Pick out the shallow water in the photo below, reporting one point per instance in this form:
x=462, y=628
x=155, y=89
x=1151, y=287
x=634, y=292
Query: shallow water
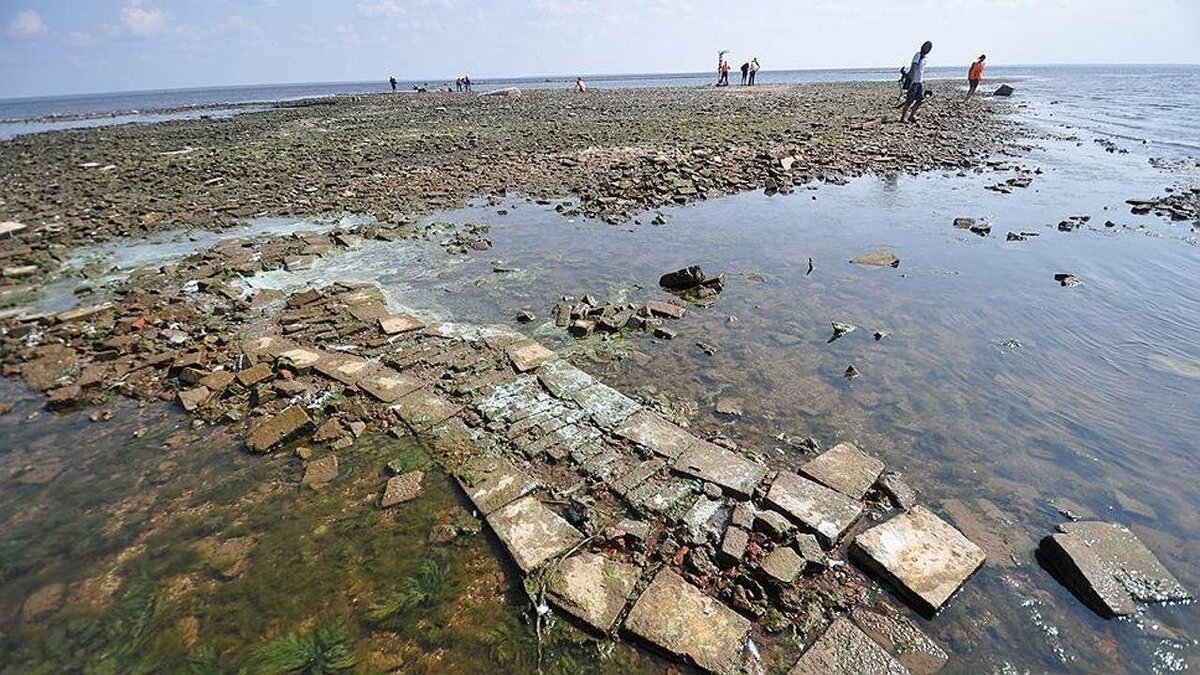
x=1093, y=402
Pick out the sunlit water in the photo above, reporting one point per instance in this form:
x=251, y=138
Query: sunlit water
x=996, y=391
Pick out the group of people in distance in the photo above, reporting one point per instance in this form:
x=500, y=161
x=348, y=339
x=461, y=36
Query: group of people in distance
x=460, y=84
x=912, y=81
x=749, y=70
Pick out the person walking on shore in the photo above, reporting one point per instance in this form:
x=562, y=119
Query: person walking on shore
x=392, y=80
x=580, y=85
x=974, y=75
x=916, y=85
x=753, y=69
x=466, y=83
x=745, y=72
x=723, y=80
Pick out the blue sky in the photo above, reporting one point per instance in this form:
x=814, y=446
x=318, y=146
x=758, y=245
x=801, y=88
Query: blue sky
x=74, y=46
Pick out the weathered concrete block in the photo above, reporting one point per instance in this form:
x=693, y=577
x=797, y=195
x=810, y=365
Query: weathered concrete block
x=275, y=430
x=843, y=648
x=492, y=482
x=532, y=533
x=826, y=512
x=424, y=409
x=903, y=639
x=1109, y=568
x=677, y=617
x=920, y=555
x=399, y=323
x=726, y=468
x=592, y=588
x=388, y=385
x=783, y=565
x=844, y=468
x=526, y=355
x=403, y=488
x=650, y=430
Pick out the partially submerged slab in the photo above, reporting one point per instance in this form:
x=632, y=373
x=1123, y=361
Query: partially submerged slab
x=1108, y=567
x=592, y=588
x=843, y=648
x=562, y=379
x=903, y=639
x=815, y=506
x=526, y=355
x=650, y=430
x=606, y=406
x=733, y=472
x=492, y=482
x=676, y=616
x=919, y=554
x=844, y=468
x=532, y=532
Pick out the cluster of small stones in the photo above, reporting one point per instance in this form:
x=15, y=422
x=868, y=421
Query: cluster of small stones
x=586, y=316
x=627, y=521
x=1176, y=204
x=620, y=152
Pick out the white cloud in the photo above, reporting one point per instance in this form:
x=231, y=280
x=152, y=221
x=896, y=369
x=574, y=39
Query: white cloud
x=142, y=19
x=27, y=23
x=389, y=8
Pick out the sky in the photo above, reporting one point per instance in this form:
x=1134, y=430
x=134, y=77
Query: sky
x=50, y=47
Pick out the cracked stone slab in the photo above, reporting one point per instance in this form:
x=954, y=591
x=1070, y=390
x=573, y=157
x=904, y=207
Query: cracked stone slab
x=824, y=511
x=726, y=468
x=844, y=468
x=592, y=588
x=1109, y=568
x=300, y=358
x=920, y=555
x=653, y=432
x=342, y=367
x=526, y=355
x=508, y=402
x=424, y=409
x=563, y=379
x=455, y=443
x=532, y=533
x=607, y=406
x=662, y=498
x=636, y=476
x=903, y=639
x=679, y=618
x=493, y=482
x=844, y=648
x=266, y=345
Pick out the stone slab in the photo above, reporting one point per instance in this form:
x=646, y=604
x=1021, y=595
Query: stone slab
x=396, y=324
x=844, y=468
x=403, y=488
x=1108, y=567
x=606, y=406
x=527, y=355
x=920, y=555
x=903, y=639
x=300, y=358
x=824, y=511
x=783, y=565
x=675, y=616
x=532, y=532
x=733, y=472
x=275, y=430
x=661, y=498
x=563, y=379
x=592, y=588
x=388, y=385
x=424, y=409
x=653, y=432
x=344, y=368
x=493, y=482
x=844, y=648
x=320, y=471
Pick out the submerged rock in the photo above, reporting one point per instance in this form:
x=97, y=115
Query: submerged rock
x=592, y=588
x=1108, y=567
x=845, y=648
x=879, y=258
x=403, y=488
x=1003, y=90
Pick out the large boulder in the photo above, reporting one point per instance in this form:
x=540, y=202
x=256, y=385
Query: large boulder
x=1003, y=90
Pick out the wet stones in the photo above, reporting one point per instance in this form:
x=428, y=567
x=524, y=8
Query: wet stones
x=649, y=430
x=492, y=482
x=1108, y=567
x=816, y=507
x=844, y=468
x=840, y=329
x=844, y=648
x=920, y=555
x=402, y=488
x=318, y=472
x=897, y=490
x=783, y=565
x=1003, y=90
x=677, y=617
x=1067, y=280
x=592, y=588
x=691, y=282
x=191, y=399
x=878, y=258
x=733, y=472
x=532, y=533
x=903, y=639
x=733, y=546
x=275, y=430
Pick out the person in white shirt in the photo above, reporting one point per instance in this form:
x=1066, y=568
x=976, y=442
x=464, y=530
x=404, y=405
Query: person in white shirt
x=753, y=69
x=916, y=85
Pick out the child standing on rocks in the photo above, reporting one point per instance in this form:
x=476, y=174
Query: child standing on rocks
x=974, y=75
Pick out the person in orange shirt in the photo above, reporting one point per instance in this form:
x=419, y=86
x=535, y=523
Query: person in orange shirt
x=974, y=75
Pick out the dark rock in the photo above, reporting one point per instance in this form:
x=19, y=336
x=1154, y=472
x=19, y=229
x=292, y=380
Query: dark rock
x=1003, y=90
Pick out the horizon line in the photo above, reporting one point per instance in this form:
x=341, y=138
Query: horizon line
x=550, y=77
